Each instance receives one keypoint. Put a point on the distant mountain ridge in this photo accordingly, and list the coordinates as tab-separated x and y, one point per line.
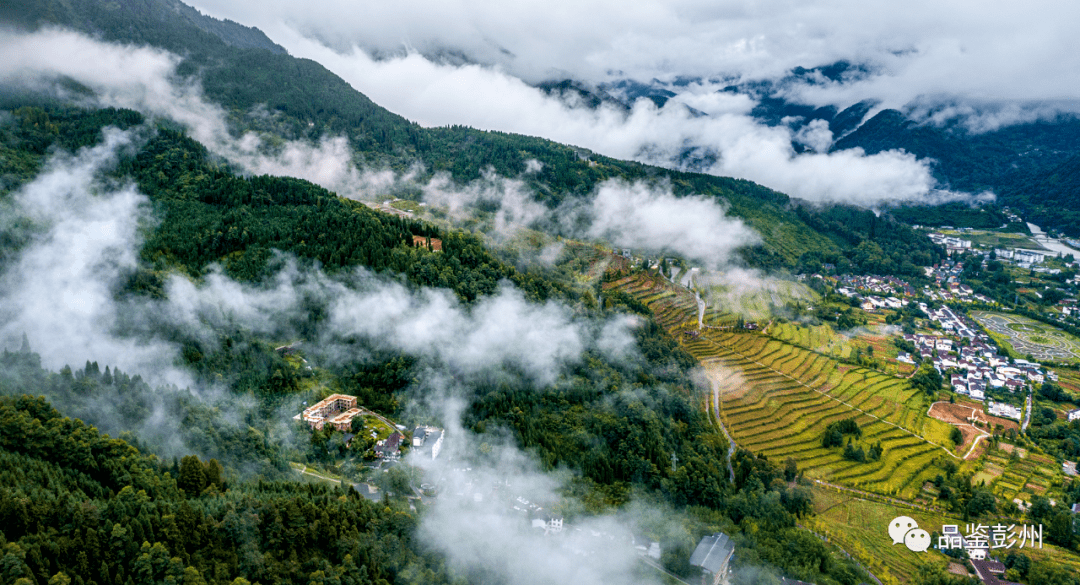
239	71
1030	166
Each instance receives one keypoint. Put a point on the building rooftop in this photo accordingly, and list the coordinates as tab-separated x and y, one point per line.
713	552
336	409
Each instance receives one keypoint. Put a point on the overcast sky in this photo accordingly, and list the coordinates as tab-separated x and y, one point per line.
474	63
983	50
447	62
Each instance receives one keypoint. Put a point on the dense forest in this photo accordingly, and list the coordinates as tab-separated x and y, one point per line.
211	496
79	507
870	244
216	520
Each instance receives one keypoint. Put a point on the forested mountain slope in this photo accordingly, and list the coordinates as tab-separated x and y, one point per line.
80	507
1026	165
310	102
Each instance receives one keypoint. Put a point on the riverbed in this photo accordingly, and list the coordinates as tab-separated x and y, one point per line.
1054	245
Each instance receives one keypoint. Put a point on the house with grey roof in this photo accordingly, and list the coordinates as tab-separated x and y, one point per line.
713	555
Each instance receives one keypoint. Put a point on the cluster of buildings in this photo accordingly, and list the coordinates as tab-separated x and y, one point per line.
949	288
975	363
339	410
855	287
881	285
390	447
950	243
336	410
874	303
1022	257
426	442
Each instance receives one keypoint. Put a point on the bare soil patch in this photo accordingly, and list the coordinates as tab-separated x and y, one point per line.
967	413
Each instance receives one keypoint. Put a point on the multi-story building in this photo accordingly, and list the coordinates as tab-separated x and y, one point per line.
337	410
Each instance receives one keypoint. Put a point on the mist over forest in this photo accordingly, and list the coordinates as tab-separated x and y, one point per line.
519	241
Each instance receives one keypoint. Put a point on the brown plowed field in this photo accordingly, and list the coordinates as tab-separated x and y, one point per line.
959	415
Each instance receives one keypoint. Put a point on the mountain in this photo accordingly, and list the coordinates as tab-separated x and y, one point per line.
1021	163
241	72
169	24
1026	165
264	294
1051	198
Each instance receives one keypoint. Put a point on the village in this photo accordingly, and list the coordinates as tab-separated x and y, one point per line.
972	362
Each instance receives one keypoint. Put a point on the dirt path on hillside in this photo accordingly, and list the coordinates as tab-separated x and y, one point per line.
962	416
719	421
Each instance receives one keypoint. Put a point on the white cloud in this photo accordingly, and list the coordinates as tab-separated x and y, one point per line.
490	492
144	79
489	98
59	290
538	340
995	51
640	216
515	206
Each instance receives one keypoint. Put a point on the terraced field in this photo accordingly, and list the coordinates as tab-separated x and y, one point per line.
1022	477
820	338
776	399
674	307
788	396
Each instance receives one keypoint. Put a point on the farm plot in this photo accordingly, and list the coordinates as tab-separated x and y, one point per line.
782	398
1018	477
1029	337
855	524
777	399
964	416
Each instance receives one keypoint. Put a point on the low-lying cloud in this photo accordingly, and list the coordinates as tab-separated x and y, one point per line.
726	141
60	289
145	79
512	200
493	520
641	216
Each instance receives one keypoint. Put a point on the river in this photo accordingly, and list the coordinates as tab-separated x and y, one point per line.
1056	246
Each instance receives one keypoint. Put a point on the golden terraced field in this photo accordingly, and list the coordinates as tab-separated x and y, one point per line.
776	399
